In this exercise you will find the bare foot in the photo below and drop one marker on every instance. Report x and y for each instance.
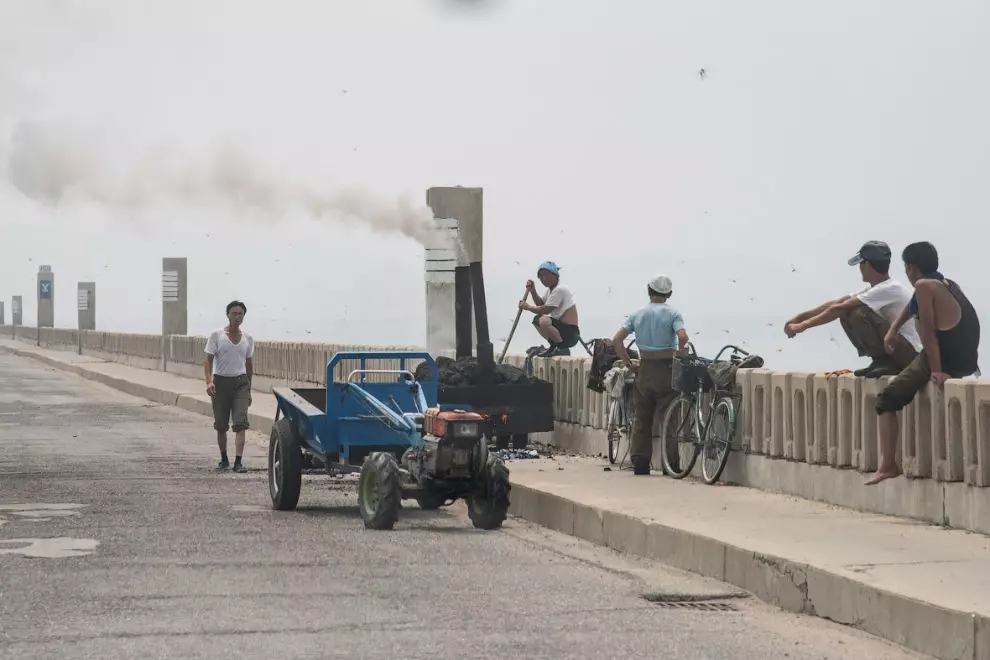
(882, 475)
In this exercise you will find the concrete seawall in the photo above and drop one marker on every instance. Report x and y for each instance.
(797, 433)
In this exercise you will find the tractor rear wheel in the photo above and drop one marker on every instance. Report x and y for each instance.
(489, 507)
(284, 466)
(379, 491)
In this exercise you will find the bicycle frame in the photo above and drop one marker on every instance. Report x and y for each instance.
(699, 440)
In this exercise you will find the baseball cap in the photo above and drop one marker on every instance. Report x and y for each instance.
(871, 251)
(661, 284)
(550, 267)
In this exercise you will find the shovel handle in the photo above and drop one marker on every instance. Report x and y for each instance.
(513, 330)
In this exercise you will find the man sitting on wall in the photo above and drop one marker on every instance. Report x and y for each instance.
(866, 316)
(950, 331)
(556, 317)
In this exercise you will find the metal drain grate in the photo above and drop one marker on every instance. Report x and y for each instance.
(702, 606)
(696, 603)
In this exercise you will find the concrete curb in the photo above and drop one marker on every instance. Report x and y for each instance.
(795, 587)
(792, 586)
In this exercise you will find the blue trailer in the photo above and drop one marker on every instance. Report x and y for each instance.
(394, 433)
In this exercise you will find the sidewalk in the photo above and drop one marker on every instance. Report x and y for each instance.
(919, 586)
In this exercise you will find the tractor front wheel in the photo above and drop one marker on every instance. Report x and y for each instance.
(379, 491)
(489, 507)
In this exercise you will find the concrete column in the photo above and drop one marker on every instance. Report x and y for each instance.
(175, 311)
(46, 298)
(16, 309)
(86, 304)
(2, 319)
(439, 276)
(447, 313)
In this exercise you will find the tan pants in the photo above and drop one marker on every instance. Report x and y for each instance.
(651, 395)
(866, 331)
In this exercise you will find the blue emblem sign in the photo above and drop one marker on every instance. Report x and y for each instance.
(44, 290)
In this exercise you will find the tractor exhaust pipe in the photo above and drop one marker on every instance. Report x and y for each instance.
(462, 308)
(486, 352)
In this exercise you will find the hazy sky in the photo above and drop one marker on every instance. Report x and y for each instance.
(817, 126)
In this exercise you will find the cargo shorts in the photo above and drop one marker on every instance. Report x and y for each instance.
(901, 391)
(230, 402)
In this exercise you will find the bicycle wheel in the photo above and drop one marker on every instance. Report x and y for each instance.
(679, 437)
(612, 431)
(718, 440)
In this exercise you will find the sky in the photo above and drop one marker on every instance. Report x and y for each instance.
(127, 129)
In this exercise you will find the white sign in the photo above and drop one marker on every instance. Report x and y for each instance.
(15, 306)
(170, 286)
(82, 300)
(44, 269)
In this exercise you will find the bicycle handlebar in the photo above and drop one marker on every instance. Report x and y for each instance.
(735, 351)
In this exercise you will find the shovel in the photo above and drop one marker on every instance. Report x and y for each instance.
(513, 331)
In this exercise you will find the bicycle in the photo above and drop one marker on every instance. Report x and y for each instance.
(693, 378)
(619, 418)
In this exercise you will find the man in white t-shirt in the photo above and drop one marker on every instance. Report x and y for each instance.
(228, 371)
(867, 315)
(556, 317)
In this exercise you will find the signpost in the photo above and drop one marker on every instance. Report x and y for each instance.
(46, 299)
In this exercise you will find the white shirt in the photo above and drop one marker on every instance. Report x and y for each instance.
(561, 298)
(229, 359)
(888, 299)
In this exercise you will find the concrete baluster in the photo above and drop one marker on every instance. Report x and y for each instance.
(977, 447)
(954, 403)
(799, 411)
(848, 449)
(780, 417)
(826, 420)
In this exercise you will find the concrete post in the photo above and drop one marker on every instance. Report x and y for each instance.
(16, 319)
(175, 312)
(175, 308)
(2, 319)
(86, 305)
(46, 299)
(449, 315)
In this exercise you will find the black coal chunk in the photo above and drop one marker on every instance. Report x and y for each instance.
(464, 372)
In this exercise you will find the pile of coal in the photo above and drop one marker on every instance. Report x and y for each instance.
(463, 372)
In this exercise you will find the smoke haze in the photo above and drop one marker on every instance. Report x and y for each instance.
(264, 141)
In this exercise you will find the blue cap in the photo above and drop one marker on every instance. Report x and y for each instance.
(549, 266)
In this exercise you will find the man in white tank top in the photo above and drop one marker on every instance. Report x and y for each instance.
(228, 372)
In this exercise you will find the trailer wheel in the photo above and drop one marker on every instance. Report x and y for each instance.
(489, 507)
(284, 466)
(379, 491)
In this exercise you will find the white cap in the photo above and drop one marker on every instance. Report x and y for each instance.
(662, 285)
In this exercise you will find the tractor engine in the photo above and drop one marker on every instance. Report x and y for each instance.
(453, 446)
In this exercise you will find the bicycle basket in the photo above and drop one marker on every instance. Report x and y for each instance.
(688, 373)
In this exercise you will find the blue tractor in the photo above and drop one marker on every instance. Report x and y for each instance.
(389, 427)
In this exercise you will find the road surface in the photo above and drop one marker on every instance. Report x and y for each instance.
(118, 539)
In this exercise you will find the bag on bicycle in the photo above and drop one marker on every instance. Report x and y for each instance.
(603, 358)
(723, 373)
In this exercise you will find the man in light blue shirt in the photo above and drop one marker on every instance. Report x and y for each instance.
(659, 330)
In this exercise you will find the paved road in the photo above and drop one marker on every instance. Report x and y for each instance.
(119, 540)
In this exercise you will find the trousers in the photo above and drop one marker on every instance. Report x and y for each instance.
(652, 394)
